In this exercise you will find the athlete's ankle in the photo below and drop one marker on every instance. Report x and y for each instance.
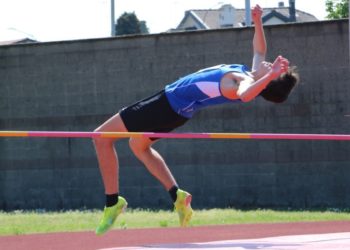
(173, 192)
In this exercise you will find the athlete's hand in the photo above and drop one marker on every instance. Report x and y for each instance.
(256, 12)
(279, 66)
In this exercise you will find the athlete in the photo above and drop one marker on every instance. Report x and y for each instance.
(176, 104)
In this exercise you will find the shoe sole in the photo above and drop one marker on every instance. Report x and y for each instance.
(188, 217)
(188, 200)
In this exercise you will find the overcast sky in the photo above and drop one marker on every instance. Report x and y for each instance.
(52, 20)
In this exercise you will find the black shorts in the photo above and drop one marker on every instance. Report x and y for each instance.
(152, 114)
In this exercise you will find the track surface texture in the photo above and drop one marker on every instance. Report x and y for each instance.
(243, 236)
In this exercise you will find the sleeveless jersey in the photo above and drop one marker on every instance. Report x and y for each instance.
(200, 89)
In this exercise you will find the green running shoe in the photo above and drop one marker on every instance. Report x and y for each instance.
(110, 214)
(183, 207)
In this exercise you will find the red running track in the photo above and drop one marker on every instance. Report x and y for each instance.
(138, 237)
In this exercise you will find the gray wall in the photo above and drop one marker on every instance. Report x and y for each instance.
(76, 85)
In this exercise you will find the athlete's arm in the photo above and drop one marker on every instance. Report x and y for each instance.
(248, 89)
(259, 41)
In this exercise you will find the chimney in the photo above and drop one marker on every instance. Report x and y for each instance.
(280, 4)
(292, 16)
(227, 16)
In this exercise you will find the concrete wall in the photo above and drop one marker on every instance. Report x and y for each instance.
(76, 85)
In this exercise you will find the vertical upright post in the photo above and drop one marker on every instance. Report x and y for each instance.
(112, 19)
(248, 20)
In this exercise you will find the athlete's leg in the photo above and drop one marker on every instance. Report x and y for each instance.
(107, 155)
(109, 168)
(153, 161)
(158, 168)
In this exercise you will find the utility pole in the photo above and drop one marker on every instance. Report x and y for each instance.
(248, 20)
(112, 19)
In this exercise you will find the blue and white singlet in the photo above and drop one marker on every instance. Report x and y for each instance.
(200, 89)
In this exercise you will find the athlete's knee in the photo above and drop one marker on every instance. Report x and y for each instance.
(138, 147)
(102, 142)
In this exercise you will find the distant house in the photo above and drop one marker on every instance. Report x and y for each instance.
(13, 36)
(228, 16)
(18, 41)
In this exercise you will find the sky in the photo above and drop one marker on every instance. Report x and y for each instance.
(57, 20)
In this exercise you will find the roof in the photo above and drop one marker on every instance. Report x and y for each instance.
(17, 41)
(210, 17)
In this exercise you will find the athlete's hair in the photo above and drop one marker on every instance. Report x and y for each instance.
(278, 90)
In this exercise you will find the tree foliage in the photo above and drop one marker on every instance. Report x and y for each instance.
(128, 23)
(337, 9)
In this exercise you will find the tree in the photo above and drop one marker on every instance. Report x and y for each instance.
(337, 9)
(128, 23)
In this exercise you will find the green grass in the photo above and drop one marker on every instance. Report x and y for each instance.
(19, 222)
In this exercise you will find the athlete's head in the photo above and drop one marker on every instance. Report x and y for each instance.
(277, 90)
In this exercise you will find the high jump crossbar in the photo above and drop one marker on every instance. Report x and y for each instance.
(266, 136)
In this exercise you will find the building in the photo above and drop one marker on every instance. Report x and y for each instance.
(18, 41)
(13, 36)
(228, 16)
